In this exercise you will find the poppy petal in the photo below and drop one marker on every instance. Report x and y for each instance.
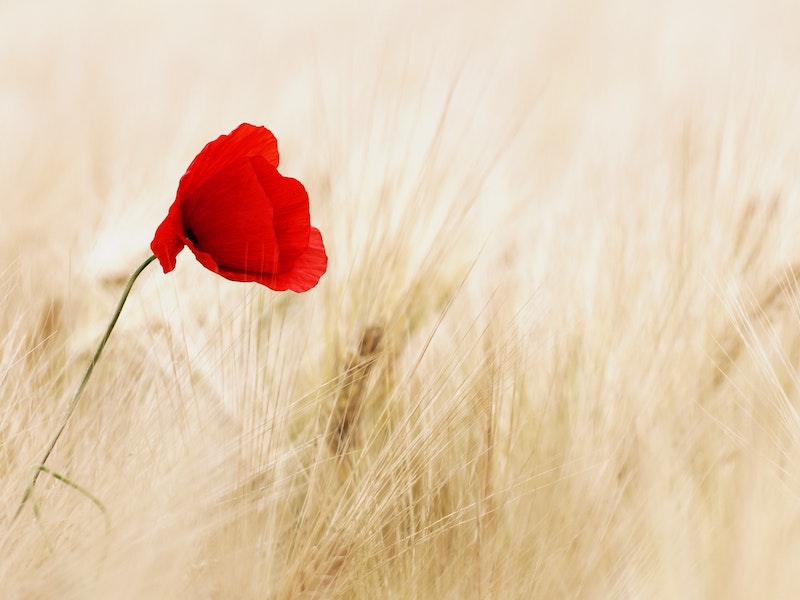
(230, 218)
(291, 220)
(245, 141)
(169, 239)
(307, 270)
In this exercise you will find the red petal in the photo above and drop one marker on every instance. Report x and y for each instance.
(246, 141)
(228, 221)
(291, 220)
(308, 268)
(169, 238)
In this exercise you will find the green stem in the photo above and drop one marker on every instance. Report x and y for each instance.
(74, 403)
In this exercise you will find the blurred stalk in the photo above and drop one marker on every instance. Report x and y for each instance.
(76, 398)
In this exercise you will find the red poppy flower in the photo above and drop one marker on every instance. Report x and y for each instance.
(241, 218)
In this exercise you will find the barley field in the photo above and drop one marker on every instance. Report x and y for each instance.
(556, 353)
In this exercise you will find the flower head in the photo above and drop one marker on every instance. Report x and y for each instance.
(241, 218)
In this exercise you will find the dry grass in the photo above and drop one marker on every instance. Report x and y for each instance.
(556, 353)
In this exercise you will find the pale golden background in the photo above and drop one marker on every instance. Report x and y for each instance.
(555, 354)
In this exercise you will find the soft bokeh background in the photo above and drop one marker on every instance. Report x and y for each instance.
(555, 354)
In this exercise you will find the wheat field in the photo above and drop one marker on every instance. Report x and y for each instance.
(557, 350)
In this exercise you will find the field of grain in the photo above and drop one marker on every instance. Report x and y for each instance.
(557, 350)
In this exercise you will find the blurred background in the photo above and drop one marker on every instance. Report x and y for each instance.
(584, 211)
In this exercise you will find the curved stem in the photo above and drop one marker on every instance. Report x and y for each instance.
(74, 403)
